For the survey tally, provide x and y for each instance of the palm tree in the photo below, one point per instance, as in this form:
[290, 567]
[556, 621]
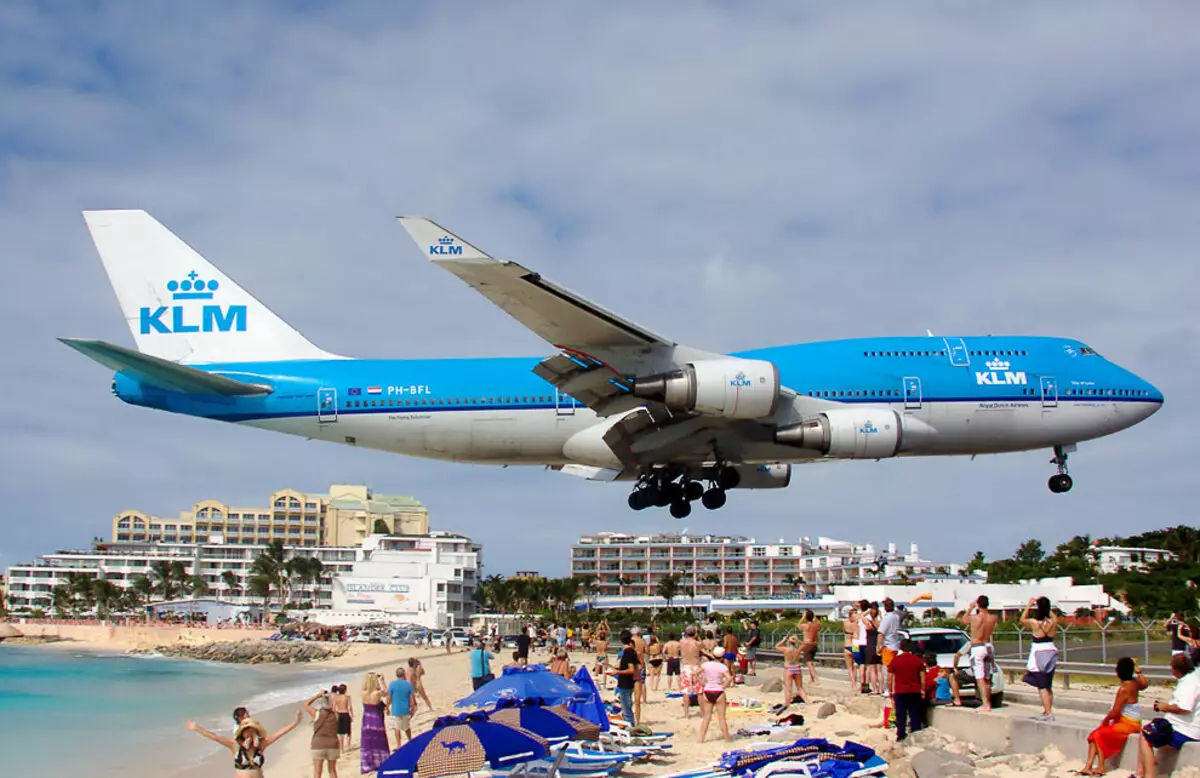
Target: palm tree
[61, 600]
[791, 581]
[168, 578]
[259, 585]
[197, 586]
[589, 588]
[668, 587]
[271, 567]
[106, 595]
[232, 583]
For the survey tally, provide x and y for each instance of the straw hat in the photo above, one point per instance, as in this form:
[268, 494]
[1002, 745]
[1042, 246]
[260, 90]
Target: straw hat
[249, 723]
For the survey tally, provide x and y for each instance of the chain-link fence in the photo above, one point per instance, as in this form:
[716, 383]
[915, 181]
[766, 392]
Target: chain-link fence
[1146, 641]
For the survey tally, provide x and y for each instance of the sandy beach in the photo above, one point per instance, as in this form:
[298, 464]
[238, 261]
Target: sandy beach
[855, 717]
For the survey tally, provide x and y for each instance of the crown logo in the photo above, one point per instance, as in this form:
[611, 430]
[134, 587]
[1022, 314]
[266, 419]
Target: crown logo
[446, 240]
[192, 288]
[998, 364]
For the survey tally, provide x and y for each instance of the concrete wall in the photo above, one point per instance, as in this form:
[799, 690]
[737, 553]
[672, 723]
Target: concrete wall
[127, 637]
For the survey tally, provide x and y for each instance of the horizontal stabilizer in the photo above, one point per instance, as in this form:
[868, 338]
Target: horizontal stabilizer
[161, 372]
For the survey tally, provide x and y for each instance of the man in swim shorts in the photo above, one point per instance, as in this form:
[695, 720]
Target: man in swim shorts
[689, 671]
[982, 624]
[671, 652]
[729, 644]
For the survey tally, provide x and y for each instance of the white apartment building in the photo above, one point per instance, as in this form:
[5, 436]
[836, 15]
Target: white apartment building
[1111, 559]
[428, 580]
[444, 565]
[738, 567]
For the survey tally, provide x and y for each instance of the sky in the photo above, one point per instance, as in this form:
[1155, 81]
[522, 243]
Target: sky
[732, 175]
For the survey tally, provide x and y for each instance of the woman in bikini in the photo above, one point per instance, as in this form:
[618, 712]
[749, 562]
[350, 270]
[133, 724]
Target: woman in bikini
[715, 677]
[1043, 654]
[793, 668]
[416, 676]
[1124, 718]
[654, 660]
[249, 744]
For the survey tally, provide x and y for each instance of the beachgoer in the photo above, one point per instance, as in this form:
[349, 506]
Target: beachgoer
[416, 676]
[249, 743]
[324, 743]
[793, 668]
[1178, 644]
[982, 624]
[850, 644]
[869, 624]
[373, 742]
[1043, 654]
[808, 647]
[906, 678]
[716, 678]
[639, 692]
[753, 640]
[671, 652]
[654, 660]
[560, 664]
[481, 665]
[403, 704]
[524, 641]
[729, 644]
[345, 714]
[1121, 721]
[627, 672]
[1180, 723]
[889, 635]
[690, 651]
[708, 646]
[600, 648]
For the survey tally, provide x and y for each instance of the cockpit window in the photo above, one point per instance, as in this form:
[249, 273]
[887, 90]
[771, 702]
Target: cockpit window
[1088, 350]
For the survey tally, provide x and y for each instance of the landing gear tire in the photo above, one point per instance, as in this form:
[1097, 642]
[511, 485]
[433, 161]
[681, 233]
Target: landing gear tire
[693, 490]
[681, 509]
[660, 498]
[1060, 483]
[637, 500]
[713, 499]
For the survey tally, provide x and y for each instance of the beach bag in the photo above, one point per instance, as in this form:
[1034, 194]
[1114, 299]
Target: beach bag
[1158, 732]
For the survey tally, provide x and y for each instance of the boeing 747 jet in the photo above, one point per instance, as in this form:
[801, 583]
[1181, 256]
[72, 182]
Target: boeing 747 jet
[612, 401]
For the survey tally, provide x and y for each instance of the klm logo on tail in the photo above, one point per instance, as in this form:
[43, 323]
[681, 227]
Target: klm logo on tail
[182, 318]
[998, 374]
[445, 248]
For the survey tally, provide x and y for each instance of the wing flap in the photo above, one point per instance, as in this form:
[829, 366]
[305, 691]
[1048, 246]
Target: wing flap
[161, 372]
[554, 313]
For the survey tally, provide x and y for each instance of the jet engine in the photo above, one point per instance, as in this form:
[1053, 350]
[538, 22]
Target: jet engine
[731, 388]
[848, 433]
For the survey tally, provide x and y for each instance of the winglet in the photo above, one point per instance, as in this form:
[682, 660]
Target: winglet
[438, 243]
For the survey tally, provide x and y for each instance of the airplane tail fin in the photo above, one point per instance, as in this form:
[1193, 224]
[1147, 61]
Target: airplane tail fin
[179, 306]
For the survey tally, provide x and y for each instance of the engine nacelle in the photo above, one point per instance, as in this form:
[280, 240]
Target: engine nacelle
[731, 388]
[848, 433]
[776, 476]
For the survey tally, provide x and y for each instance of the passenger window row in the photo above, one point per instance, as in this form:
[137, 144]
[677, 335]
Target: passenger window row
[464, 401]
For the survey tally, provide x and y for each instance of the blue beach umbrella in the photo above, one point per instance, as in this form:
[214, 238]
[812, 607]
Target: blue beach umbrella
[554, 725]
[523, 683]
[592, 707]
[462, 744]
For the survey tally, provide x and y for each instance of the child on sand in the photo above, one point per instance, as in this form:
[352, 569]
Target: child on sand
[249, 744]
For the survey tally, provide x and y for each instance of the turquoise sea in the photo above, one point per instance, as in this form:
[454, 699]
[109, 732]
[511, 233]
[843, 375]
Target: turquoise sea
[74, 713]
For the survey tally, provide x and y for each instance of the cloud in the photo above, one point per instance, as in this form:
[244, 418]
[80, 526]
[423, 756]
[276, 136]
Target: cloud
[732, 176]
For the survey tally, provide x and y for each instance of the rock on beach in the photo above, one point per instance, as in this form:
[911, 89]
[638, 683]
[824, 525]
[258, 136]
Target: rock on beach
[253, 652]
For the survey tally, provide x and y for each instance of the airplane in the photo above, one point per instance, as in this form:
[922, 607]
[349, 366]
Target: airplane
[613, 401]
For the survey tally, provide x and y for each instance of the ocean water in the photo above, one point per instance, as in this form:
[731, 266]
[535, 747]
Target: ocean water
[65, 713]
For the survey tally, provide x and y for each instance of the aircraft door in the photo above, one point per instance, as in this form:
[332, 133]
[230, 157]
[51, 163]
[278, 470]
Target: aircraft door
[1049, 392]
[326, 405]
[564, 404]
[959, 356]
[912, 392]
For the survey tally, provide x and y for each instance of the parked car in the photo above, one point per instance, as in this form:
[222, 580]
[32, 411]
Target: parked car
[946, 642]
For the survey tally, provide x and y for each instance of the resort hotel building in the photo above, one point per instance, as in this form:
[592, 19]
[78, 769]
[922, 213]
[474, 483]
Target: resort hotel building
[380, 561]
[739, 567]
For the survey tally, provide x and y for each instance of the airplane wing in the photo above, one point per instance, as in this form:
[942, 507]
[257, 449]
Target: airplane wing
[557, 315]
[161, 372]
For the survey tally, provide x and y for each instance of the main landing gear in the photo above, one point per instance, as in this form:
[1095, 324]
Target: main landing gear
[678, 491]
[1062, 481]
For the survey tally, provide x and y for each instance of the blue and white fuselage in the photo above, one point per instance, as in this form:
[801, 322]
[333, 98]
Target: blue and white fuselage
[618, 402]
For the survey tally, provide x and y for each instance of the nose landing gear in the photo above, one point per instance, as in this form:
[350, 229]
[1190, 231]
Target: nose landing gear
[1062, 481]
